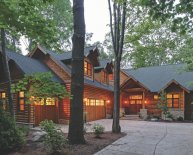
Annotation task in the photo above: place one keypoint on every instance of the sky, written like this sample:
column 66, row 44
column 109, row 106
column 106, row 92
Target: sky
column 96, row 18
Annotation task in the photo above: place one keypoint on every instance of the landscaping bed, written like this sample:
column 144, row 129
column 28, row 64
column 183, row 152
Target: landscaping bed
column 92, row 146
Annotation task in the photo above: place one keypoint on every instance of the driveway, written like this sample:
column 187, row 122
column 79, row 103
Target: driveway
column 150, row 138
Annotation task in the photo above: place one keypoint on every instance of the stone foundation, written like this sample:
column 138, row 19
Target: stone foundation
column 143, row 113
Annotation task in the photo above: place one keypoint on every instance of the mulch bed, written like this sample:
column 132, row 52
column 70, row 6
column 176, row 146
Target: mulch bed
column 92, row 146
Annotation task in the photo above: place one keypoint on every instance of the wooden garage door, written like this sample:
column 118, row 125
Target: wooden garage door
column 95, row 109
column 46, row 111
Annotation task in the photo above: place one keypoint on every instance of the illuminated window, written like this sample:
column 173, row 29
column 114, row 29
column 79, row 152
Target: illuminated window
column 155, row 97
column 87, row 69
column 173, row 100
column 21, row 100
column 50, row 101
column 93, row 102
column 3, row 99
column 110, row 77
column 104, row 77
column 136, row 97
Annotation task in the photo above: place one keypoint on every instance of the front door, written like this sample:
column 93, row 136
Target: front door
column 135, row 106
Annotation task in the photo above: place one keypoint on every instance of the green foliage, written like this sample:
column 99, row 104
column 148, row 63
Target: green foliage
column 38, row 20
column 98, row 130
column 169, row 115
column 11, row 136
column 54, row 139
column 162, row 103
column 40, row 85
column 180, row 12
column 180, row 118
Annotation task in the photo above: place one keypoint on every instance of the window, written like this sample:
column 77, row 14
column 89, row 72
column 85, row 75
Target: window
column 155, row 97
column 21, row 100
column 104, row 77
column 173, row 100
column 110, row 77
column 94, row 102
column 45, row 101
column 135, row 97
column 87, row 69
column 3, row 99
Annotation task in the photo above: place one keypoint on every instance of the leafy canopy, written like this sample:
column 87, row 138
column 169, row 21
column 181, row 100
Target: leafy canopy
column 34, row 19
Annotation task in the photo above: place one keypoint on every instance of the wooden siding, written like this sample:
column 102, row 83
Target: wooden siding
column 57, row 69
column 26, row 116
column 123, row 77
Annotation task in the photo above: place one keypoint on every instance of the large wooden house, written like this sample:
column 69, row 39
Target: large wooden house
column 140, row 90
column 98, row 93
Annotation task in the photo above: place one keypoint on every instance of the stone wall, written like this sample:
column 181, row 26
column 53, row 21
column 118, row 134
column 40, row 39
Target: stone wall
column 143, row 113
column 177, row 113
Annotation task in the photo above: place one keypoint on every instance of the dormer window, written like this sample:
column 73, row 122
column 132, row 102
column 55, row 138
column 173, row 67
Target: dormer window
column 87, row 69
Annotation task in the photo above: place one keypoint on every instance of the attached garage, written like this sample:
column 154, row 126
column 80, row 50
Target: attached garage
column 94, row 109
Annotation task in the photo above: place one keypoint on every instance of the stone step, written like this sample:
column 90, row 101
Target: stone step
column 131, row 117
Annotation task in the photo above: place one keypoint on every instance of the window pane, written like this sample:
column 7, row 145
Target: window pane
column 3, row 95
column 132, row 101
column 50, row 101
column 176, row 96
column 169, row 95
column 169, row 103
column 155, row 97
column 176, row 103
column 21, row 104
column 135, row 97
column 92, row 102
column 21, row 94
column 21, row 107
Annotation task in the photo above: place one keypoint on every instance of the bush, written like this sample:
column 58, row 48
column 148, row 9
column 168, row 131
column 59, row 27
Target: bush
column 11, row 136
column 54, row 139
column 180, row 118
column 98, row 130
column 169, row 115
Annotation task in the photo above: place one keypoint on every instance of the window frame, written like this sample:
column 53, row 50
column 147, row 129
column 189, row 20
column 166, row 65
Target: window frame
column 88, row 70
column 104, row 77
column 3, row 99
column 20, row 98
column 173, row 99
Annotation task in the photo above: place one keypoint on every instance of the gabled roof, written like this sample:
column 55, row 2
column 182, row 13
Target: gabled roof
column 157, row 77
column 67, row 55
column 103, row 63
column 29, row 65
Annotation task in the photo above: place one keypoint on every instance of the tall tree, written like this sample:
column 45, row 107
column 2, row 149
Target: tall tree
column 25, row 18
column 6, row 71
column 76, row 125
column 117, row 27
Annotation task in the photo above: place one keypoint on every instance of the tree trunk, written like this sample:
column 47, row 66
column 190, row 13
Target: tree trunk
column 116, row 111
column 76, row 125
column 6, row 72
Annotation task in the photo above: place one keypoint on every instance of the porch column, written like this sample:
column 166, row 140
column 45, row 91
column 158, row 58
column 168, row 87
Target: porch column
column 143, row 105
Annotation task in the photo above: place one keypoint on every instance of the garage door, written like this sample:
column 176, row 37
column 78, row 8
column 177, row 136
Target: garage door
column 95, row 109
column 46, row 110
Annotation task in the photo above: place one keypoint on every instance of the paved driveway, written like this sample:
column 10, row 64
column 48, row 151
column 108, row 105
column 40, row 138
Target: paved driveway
column 150, row 138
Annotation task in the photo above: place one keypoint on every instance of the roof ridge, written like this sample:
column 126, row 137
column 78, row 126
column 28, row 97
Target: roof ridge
column 130, row 69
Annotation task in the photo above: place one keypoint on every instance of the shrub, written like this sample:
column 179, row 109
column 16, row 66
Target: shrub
column 54, row 139
column 98, row 130
column 11, row 136
column 169, row 115
column 180, row 118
